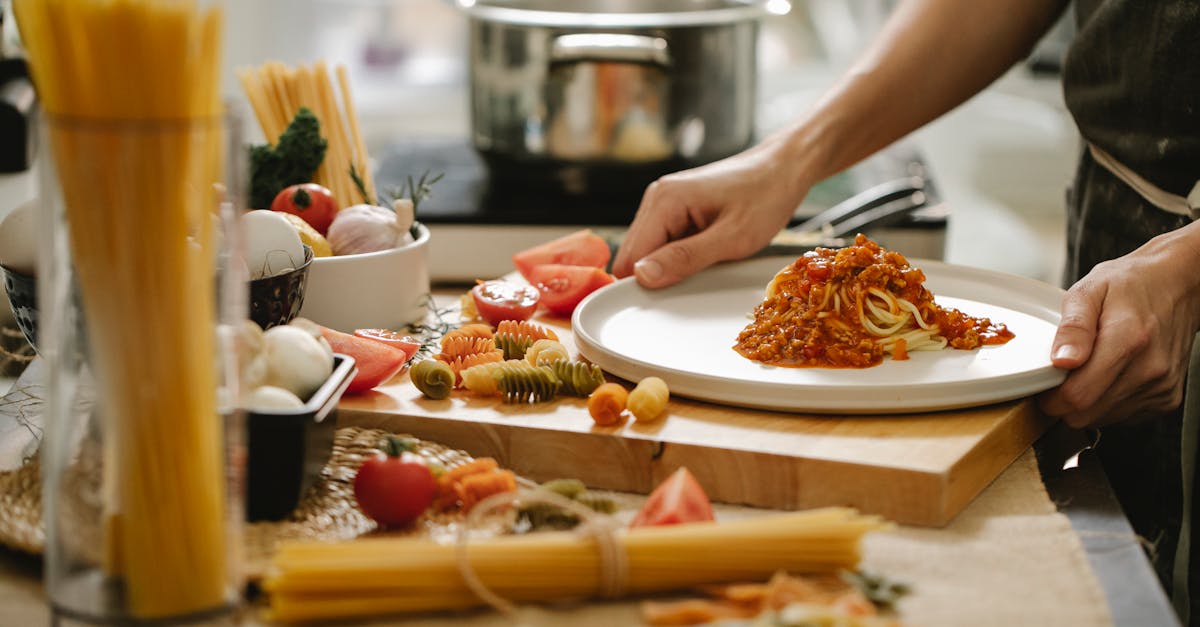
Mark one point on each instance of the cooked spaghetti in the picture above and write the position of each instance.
(845, 308)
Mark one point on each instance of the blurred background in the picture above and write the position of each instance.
(1001, 162)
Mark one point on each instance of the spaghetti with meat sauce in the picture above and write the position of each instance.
(846, 307)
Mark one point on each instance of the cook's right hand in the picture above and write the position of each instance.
(724, 210)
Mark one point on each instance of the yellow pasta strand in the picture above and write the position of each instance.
(276, 93)
(131, 94)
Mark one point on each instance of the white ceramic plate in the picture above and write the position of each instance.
(685, 334)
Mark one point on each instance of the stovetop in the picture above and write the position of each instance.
(482, 212)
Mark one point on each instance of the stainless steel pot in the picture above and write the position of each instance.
(618, 91)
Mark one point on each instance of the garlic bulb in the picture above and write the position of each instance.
(365, 229)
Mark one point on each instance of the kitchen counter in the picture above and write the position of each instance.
(1081, 493)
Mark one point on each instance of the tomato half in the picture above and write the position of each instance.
(499, 300)
(310, 201)
(581, 248)
(394, 487)
(563, 286)
(406, 343)
(679, 499)
(377, 362)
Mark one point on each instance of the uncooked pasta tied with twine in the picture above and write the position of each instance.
(133, 118)
(312, 581)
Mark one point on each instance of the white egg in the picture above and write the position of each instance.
(19, 239)
(270, 244)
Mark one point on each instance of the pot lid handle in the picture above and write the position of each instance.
(610, 47)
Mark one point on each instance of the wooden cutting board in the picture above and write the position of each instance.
(918, 469)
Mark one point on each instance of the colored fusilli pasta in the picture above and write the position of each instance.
(433, 378)
(648, 400)
(578, 378)
(527, 385)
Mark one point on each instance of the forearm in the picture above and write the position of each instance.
(931, 56)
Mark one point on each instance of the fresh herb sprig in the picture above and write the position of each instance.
(880, 590)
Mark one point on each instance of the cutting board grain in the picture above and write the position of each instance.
(918, 469)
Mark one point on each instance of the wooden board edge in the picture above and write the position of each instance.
(914, 497)
(991, 456)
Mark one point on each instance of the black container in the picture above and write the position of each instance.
(276, 300)
(22, 295)
(288, 449)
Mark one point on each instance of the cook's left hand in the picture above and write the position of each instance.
(1126, 334)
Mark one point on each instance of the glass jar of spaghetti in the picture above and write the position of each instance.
(138, 164)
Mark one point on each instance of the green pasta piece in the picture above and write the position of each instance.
(578, 378)
(597, 502)
(527, 385)
(514, 346)
(548, 516)
(433, 378)
(569, 488)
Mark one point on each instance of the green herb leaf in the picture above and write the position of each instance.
(293, 159)
(881, 591)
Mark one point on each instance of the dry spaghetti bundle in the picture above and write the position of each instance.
(133, 117)
(277, 92)
(374, 576)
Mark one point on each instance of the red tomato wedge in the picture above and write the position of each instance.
(406, 343)
(679, 499)
(581, 248)
(562, 287)
(377, 362)
(499, 300)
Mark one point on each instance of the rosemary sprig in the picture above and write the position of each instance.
(880, 590)
(431, 331)
(360, 184)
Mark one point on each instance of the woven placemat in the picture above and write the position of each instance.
(327, 511)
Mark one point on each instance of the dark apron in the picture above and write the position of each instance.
(1132, 82)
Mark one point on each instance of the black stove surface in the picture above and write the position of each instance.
(476, 191)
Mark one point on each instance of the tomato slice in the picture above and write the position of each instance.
(679, 499)
(563, 286)
(499, 300)
(406, 343)
(581, 248)
(377, 362)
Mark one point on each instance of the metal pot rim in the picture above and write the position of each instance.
(738, 11)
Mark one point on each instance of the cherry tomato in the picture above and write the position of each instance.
(497, 301)
(309, 201)
(406, 343)
(394, 487)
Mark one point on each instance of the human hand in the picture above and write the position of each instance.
(1126, 334)
(725, 210)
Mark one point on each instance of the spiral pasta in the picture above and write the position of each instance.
(546, 351)
(578, 378)
(459, 364)
(481, 378)
(433, 378)
(527, 385)
(648, 400)
(514, 337)
(461, 346)
(607, 403)
(477, 329)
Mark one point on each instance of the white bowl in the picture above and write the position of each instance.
(387, 289)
